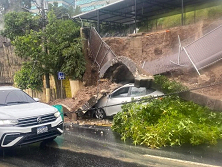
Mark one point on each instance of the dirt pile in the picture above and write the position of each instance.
(157, 45)
(150, 46)
(209, 83)
(85, 94)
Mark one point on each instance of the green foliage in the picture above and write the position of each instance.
(214, 12)
(19, 24)
(167, 85)
(168, 121)
(29, 45)
(75, 62)
(56, 48)
(77, 11)
(59, 11)
(65, 49)
(191, 16)
(28, 77)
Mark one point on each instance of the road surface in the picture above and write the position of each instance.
(93, 146)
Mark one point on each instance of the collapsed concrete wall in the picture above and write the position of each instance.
(107, 63)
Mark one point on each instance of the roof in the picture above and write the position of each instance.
(125, 11)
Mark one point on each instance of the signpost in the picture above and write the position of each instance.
(61, 76)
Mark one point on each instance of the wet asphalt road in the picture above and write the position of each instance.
(92, 146)
(45, 156)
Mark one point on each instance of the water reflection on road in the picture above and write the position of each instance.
(99, 146)
(103, 141)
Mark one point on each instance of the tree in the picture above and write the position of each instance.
(63, 48)
(55, 48)
(77, 11)
(59, 11)
(13, 5)
(19, 24)
(29, 77)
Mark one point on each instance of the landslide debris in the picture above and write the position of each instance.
(86, 93)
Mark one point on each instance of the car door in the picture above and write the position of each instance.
(115, 99)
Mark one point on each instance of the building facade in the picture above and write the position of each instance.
(85, 5)
(64, 3)
(88, 5)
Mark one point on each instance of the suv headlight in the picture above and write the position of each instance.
(57, 114)
(8, 122)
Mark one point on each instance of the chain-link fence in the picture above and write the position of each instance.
(100, 52)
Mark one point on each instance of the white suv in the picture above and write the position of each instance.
(24, 120)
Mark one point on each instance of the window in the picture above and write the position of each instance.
(123, 92)
(137, 91)
(10, 97)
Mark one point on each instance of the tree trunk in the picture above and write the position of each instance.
(48, 94)
(47, 80)
(58, 86)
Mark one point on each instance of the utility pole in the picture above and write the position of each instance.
(182, 13)
(135, 4)
(43, 15)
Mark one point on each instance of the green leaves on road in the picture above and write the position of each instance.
(168, 121)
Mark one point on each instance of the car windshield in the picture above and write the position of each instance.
(14, 97)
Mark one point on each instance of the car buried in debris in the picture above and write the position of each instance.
(24, 120)
(109, 105)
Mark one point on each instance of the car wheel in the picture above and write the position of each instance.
(100, 113)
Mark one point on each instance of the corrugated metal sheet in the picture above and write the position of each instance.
(100, 52)
(203, 52)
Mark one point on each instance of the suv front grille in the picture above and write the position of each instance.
(24, 122)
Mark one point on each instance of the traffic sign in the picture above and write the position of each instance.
(61, 75)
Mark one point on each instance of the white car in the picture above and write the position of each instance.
(24, 120)
(111, 104)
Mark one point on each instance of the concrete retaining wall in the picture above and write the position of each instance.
(202, 100)
(9, 64)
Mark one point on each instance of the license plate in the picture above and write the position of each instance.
(42, 129)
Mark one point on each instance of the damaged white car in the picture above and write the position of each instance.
(24, 120)
(111, 104)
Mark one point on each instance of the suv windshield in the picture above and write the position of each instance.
(12, 97)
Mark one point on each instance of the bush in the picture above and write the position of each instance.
(29, 77)
(168, 121)
(167, 85)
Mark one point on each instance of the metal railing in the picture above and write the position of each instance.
(199, 54)
(100, 52)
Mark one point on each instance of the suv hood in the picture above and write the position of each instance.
(26, 110)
